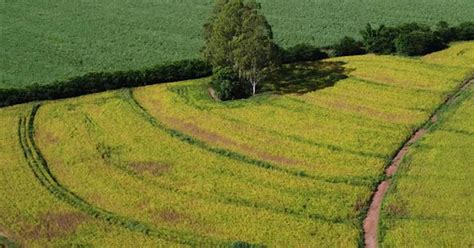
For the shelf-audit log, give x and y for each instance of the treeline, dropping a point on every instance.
(409, 39)
(102, 81)
(413, 39)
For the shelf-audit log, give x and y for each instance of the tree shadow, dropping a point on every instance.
(304, 77)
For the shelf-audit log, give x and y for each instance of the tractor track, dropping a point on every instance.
(372, 219)
(40, 169)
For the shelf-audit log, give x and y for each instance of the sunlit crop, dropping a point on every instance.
(167, 166)
(430, 203)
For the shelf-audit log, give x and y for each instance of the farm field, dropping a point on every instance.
(430, 202)
(43, 41)
(167, 165)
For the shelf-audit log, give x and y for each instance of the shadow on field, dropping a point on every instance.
(301, 78)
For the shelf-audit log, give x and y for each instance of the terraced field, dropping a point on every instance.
(431, 201)
(166, 165)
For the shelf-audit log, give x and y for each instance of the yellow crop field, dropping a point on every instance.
(167, 165)
(431, 202)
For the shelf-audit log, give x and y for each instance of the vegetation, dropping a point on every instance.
(348, 46)
(430, 202)
(42, 43)
(199, 172)
(413, 39)
(239, 38)
(102, 81)
(300, 53)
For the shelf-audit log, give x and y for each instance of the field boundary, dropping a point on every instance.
(372, 220)
(40, 169)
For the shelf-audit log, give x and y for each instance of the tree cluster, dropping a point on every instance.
(238, 42)
(413, 39)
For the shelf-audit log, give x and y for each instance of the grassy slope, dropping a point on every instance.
(430, 203)
(104, 148)
(46, 40)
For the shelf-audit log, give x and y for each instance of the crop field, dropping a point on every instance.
(166, 165)
(43, 41)
(430, 203)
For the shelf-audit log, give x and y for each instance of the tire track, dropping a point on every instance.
(372, 219)
(40, 169)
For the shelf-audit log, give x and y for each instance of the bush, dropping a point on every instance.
(380, 40)
(465, 31)
(102, 81)
(418, 43)
(445, 32)
(348, 46)
(301, 53)
(228, 86)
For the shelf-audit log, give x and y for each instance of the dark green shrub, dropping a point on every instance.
(301, 53)
(380, 40)
(465, 31)
(228, 86)
(243, 244)
(418, 43)
(348, 46)
(445, 32)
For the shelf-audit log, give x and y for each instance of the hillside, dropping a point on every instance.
(430, 203)
(167, 165)
(44, 41)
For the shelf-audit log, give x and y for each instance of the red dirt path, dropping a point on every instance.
(373, 215)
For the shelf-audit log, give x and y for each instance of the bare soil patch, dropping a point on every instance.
(47, 136)
(219, 140)
(54, 225)
(154, 168)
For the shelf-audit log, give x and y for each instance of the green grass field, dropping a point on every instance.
(430, 203)
(43, 41)
(165, 165)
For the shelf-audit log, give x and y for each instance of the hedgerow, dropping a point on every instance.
(102, 81)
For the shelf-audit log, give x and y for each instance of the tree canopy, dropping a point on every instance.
(239, 37)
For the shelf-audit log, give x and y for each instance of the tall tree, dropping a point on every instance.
(219, 32)
(239, 37)
(254, 49)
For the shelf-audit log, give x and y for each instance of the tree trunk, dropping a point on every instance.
(254, 86)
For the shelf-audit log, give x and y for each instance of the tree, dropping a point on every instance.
(418, 43)
(445, 32)
(380, 40)
(219, 32)
(348, 46)
(466, 31)
(238, 36)
(254, 49)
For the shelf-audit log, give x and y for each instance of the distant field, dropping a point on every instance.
(431, 201)
(166, 165)
(42, 41)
